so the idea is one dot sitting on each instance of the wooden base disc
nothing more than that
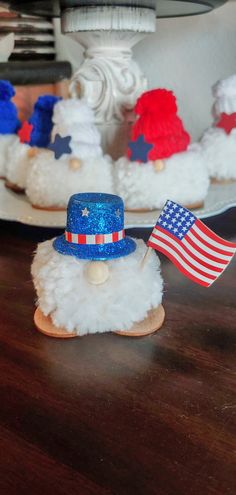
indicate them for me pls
(193, 206)
(150, 324)
(139, 210)
(153, 322)
(45, 325)
(14, 187)
(49, 208)
(222, 181)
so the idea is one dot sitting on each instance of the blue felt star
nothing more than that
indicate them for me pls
(60, 146)
(139, 149)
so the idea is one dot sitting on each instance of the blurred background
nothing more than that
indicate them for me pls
(186, 54)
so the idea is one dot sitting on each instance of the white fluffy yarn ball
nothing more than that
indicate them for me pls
(72, 111)
(65, 294)
(51, 182)
(219, 152)
(6, 143)
(184, 180)
(18, 164)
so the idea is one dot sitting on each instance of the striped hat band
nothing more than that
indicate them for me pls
(94, 239)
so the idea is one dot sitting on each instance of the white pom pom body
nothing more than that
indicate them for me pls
(184, 179)
(219, 152)
(51, 182)
(124, 298)
(18, 164)
(6, 143)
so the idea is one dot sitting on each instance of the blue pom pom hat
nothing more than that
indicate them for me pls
(95, 228)
(9, 122)
(41, 120)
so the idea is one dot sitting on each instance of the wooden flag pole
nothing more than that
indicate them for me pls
(146, 257)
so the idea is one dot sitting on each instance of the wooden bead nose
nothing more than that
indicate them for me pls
(32, 152)
(97, 272)
(75, 164)
(159, 165)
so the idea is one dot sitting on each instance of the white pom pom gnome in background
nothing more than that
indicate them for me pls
(77, 164)
(93, 279)
(219, 141)
(32, 136)
(9, 123)
(160, 163)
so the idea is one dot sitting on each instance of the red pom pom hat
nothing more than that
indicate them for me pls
(160, 125)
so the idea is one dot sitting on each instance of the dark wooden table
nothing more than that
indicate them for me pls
(111, 415)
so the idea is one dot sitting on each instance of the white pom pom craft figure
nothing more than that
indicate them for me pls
(33, 136)
(75, 162)
(160, 162)
(93, 278)
(219, 141)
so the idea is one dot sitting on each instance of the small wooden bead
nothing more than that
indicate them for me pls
(75, 164)
(97, 272)
(32, 152)
(159, 165)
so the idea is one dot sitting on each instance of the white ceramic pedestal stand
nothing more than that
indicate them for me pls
(109, 78)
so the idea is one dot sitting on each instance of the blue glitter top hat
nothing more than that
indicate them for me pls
(41, 119)
(9, 122)
(95, 228)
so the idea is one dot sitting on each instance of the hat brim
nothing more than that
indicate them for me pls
(95, 251)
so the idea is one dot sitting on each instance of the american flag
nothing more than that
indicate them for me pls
(196, 251)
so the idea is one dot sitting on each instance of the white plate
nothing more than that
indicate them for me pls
(16, 207)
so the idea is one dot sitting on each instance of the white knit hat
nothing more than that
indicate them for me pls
(224, 92)
(72, 111)
(73, 117)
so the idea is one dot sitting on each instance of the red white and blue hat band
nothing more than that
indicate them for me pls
(94, 239)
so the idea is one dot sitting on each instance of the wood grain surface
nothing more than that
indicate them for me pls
(108, 415)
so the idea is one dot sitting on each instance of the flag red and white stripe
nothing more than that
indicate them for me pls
(197, 252)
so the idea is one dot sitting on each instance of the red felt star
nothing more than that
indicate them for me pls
(25, 132)
(227, 122)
